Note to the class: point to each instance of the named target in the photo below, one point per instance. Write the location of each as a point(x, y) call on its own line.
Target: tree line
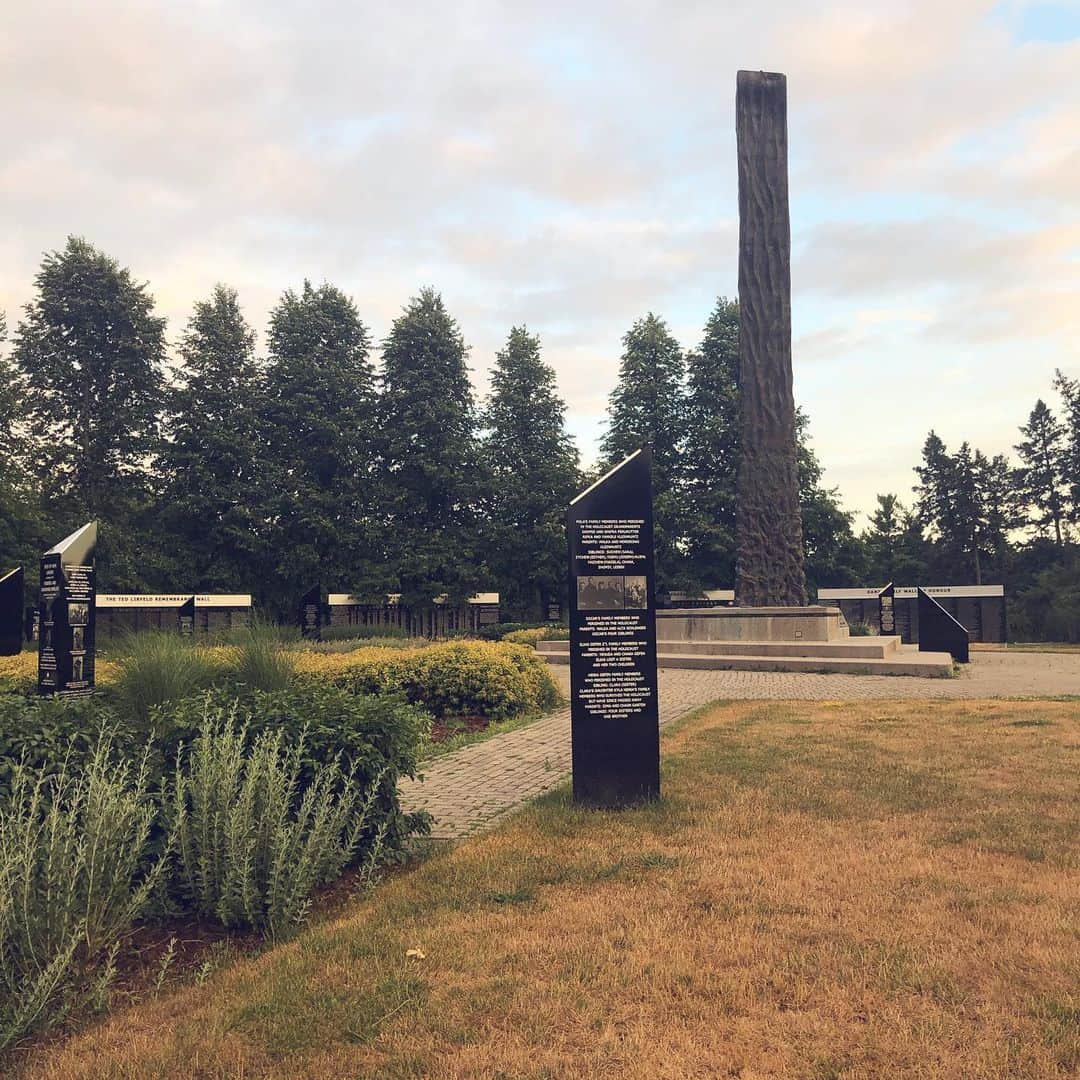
point(373, 467)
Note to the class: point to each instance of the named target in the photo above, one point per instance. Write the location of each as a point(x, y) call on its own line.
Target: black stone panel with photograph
point(66, 616)
point(615, 736)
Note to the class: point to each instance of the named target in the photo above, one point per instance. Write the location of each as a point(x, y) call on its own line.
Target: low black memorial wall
point(67, 616)
point(615, 733)
point(209, 613)
point(11, 612)
point(981, 609)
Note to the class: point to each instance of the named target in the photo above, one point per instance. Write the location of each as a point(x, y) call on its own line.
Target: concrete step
point(907, 661)
point(877, 648)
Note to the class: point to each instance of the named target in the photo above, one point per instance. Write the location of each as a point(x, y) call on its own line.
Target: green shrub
point(479, 678)
point(375, 736)
point(499, 631)
point(252, 842)
point(154, 666)
point(861, 629)
point(345, 645)
point(44, 733)
point(265, 658)
point(75, 872)
point(539, 633)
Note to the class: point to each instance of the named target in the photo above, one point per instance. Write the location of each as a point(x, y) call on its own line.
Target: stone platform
point(810, 639)
point(818, 623)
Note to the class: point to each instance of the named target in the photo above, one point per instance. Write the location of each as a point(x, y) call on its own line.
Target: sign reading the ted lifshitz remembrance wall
point(66, 607)
point(613, 686)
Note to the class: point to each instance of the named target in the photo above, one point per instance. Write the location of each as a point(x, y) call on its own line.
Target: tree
point(215, 484)
point(90, 350)
point(1041, 477)
point(19, 521)
point(531, 468)
point(1069, 389)
point(646, 408)
point(429, 455)
point(1001, 511)
point(894, 545)
point(710, 457)
point(833, 554)
point(320, 424)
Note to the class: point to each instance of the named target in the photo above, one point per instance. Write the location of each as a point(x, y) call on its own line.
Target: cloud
point(572, 166)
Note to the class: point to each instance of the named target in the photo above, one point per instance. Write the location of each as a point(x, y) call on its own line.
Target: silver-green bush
point(75, 872)
point(251, 847)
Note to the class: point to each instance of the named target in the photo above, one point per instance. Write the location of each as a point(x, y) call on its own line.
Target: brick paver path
point(471, 788)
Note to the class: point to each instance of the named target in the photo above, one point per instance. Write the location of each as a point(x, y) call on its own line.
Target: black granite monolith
point(614, 715)
point(67, 616)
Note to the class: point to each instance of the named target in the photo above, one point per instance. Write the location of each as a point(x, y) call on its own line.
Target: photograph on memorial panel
point(600, 593)
point(77, 668)
point(635, 593)
point(78, 614)
point(78, 638)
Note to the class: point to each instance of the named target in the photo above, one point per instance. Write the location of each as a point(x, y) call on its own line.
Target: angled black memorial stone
point(939, 631)
point(309, 616)
point(185, 618)
point(11, 612)
point(887, 610)
point(614, 716)
point(66, 607)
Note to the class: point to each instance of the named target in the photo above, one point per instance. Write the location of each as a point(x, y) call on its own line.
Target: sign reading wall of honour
point(614, 711)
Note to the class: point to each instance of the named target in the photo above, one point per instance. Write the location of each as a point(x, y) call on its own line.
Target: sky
point(571, 166)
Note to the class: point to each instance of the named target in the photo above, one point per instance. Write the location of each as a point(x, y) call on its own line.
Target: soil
point(460, 725)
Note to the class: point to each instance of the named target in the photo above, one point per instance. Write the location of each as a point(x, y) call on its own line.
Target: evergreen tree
point(1041, 477)
point(90, 350)
point(647, 408)
point(1069, 389)
point(214, 466)
point(894, 545)
point(834, 555)
point(320, 426)
point(429, 454)
point(1001, 511)
point(710, 459)
point(531, 467)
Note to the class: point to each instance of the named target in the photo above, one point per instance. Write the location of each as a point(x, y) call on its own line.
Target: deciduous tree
point(91, 352)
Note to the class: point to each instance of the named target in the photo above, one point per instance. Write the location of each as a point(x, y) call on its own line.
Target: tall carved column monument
point(769, 568)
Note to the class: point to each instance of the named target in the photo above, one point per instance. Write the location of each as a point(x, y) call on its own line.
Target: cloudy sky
point(572, 166)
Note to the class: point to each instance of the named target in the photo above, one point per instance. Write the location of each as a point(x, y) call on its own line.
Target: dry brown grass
point(826, 890)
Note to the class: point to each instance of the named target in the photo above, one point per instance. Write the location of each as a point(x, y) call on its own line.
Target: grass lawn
point(826, 890)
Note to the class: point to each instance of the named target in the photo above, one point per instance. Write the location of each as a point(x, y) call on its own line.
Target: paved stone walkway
point(471, 788)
